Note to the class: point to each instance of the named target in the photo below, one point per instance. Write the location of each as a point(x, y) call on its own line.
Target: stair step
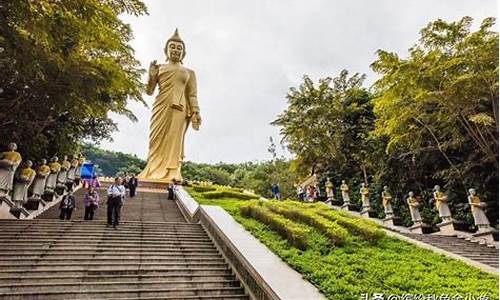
point(180, 293)
point(222, 275)
point(117, 272)
point(121, 286)
point(103, 261)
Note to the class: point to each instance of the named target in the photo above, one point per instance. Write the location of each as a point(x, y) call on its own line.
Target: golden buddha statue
point(344, 188)
point(174, 108)
point(442, 204)
point(9, 161)
point(63, 173)
point(414, 205)
point(329, 190)
point(365, 199)
point(81, 161)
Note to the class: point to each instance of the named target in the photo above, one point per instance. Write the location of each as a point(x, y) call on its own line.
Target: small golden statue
point(23, 181)
point(9, 161)
point(42, 172)
point(81, 161)
point(414, 204)
point(365, 198)
point(387, 203)
point(329, 190)
point(174, 108)
point(477, 207)
point(344, 188)
point(442, 205)
point(55, 168)
point(63, 173)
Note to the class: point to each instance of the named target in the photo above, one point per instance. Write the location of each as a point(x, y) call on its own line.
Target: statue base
point(446, 228)
point(365, 213)
point(345, 206)
point(19, 212)
point(60, 189)
point(484, 234)
point(152, 184)
point(416, 228)
point(388, 221)
point(33, 203)
point(48, 197)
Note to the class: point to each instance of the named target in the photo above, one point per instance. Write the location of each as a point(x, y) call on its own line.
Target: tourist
point(276, 191)
point(311, 193)
point(132, 185)
point(91, 203)
point(116, 194)
point(67, 205)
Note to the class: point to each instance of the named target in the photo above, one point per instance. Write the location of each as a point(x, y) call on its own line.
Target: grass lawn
point(348, 267)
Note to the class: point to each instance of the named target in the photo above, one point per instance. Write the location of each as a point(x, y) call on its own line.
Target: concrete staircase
point(476, 252)
point(52, 259)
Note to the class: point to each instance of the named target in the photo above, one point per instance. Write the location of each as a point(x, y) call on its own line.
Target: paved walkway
point(146, 206)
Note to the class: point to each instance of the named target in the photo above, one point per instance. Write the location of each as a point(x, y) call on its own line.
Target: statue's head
point(472, 192)
point(386, 188)
point(54, 159)
point(12, 147)
point(43, 161)
point(343, 181)
point(411, 194)
point(437, 188)
point(363, 185)
point(65, 157)
point(28, 163)
point(175, 49)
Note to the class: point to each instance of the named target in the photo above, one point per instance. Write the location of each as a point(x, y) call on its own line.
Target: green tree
point(65, 66)
point(438, 109)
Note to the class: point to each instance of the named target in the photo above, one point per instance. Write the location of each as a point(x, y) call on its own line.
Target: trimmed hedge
point(336, 233)
point(294, 233)
point(364, 228)
point(228, 194)
point(203, 189)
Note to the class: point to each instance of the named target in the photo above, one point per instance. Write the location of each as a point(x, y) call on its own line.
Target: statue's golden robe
point(172, 110)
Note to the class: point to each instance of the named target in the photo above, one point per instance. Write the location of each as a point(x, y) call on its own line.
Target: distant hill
point(110, 163)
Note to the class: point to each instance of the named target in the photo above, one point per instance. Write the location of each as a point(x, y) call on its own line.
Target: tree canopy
point(430, 118)
point(65, 66)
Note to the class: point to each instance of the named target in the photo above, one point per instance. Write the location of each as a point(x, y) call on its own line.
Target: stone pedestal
point(484, 234)
point(416, 228)
point(33, 203)
point(365, 212)
point(388, 221)
point(19, 212)
point(345, 206)
point(48, 197)
point(60, 189)
point(446, 228)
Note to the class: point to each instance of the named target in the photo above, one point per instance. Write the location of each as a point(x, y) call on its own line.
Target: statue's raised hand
point(153, 68)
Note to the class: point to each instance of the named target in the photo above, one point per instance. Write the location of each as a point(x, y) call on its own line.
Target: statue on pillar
point(344, 188)
point(81, 161)
point(387, 204)
point(365, 199)
point(70, 177)
point(329, 190)
point(42, 172)
point(63, 174)
point(9, 161)
point(442, 204)
point(23, 180)
point(414, 205)
point(55, 168)
point(175, 107)
point(477, 207)
point(441, 200)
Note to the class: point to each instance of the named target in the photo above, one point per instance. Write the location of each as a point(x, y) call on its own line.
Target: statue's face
point(44, 161)
point(12, 147)
point(29, 163)
point(411, 194)
point(175, 51)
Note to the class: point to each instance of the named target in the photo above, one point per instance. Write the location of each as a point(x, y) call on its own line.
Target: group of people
point(310, 193)
point(115, 198)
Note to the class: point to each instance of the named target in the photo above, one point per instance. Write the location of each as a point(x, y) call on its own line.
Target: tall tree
point(64, 66)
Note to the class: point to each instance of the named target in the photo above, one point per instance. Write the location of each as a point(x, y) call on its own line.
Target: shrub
point(203, 189)
point(294, 233)
point(331, 229)
point(364, 228)
point(228, 194)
